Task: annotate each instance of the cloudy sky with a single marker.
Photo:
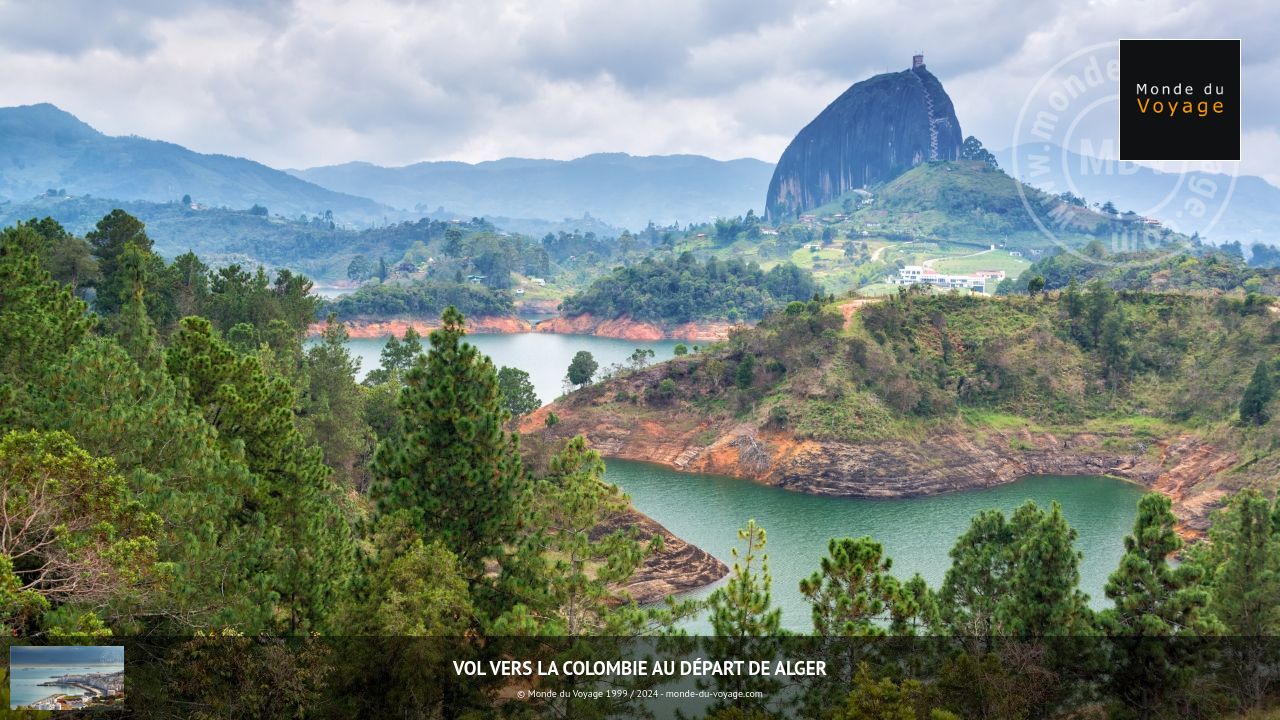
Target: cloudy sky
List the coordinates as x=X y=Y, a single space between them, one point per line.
x=298 y=83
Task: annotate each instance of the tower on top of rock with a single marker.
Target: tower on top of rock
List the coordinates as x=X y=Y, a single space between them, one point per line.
x=917 y=61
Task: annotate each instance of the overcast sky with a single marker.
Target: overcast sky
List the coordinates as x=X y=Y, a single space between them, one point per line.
x=298 y=83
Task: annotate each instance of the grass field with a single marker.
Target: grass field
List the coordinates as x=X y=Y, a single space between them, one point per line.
x=990 y=260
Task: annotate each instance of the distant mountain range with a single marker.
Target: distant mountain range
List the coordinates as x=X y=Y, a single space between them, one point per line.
x=1252 y=214
x=619 y=189
x=43 y=148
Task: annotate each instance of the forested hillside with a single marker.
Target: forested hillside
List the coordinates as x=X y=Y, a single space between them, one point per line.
x=1197 y=268
x=682 y=289
x=178 y=465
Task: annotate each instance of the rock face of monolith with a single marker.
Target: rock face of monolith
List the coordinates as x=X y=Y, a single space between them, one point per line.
x=875 y=131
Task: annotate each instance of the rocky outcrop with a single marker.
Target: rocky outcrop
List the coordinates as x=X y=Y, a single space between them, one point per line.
x=1185 y=468
x=878 y=129
x=495 y=325
x=680 y=566
x=627 y=329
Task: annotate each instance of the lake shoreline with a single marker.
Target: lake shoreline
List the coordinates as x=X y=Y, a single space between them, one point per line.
x=943 y=461
x=585 y=325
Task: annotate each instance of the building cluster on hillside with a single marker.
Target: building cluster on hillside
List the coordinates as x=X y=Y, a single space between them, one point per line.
x=98 y=685
x=981 y=281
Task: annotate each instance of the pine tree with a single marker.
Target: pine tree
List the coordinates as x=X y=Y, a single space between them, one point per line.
x=1242 y=566
x=452 y=467
x=854 y=594
x=212 y=546
x=743 y=606
x=313 y=562
x=582 y=568
x=1043 y=598
x=982 y=564
x=745 y=623
x=133 y=326
x=40 y=321
x=1153 y=602
x=1246 y=567
x=1257 y=395
x=109 y=240
x=1151 y=598
x=332 y=409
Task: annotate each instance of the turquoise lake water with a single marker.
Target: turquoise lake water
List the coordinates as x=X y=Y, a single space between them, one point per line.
x=708 y=510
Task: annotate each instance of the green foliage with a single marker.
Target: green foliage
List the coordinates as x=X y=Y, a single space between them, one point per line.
x=422 y=298
x=1242 y=566
x=294 y=496
x=682 y=289
x=209 y=548
x=582 y=368
x=518 y=395
x=972 y=149
x=331 y=407
x=453 y=469
x=854 y=594
x=39 y=320
x=1257 y=395
x=1153 y=599
x=73 y=533
x=681 y=350
x=743 y=606
x=109 y=240
x=66 y=257
x=237 y=296
x=1016 y=576
x=583 y=554
x=409 y=588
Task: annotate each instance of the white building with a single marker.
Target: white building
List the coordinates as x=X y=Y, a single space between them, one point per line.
x=981 y=281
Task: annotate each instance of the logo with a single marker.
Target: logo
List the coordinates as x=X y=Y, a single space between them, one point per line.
x=1066 y=144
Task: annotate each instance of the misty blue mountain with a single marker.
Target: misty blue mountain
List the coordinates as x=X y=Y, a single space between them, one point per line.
x=1252 y=215
x=620 y=189
x=44 y=148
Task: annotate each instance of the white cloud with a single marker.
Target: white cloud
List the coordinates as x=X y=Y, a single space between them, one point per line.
x=312 y=82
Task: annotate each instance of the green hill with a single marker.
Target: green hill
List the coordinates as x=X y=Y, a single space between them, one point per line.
x=973 y=203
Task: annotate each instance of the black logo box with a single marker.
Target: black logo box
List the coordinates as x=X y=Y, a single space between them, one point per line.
x=1185 y=67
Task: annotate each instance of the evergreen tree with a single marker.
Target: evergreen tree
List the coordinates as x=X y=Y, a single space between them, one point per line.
x=1257 y=395
x=518 y=395
x=1153 y=599
x=332 y=409
x=398 y=355
x=109 y=240
x=1242 y=566
x=452 y=468
x=854 y=594
x=1043 y=598
x=40 y=320
x=745 y=374
x=212 y=545
x=1153 y=603
x=133 y=326
x=743 y=606
x=982 y=564
x=1244 y=561
x=312 y=563
x=582 y=569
